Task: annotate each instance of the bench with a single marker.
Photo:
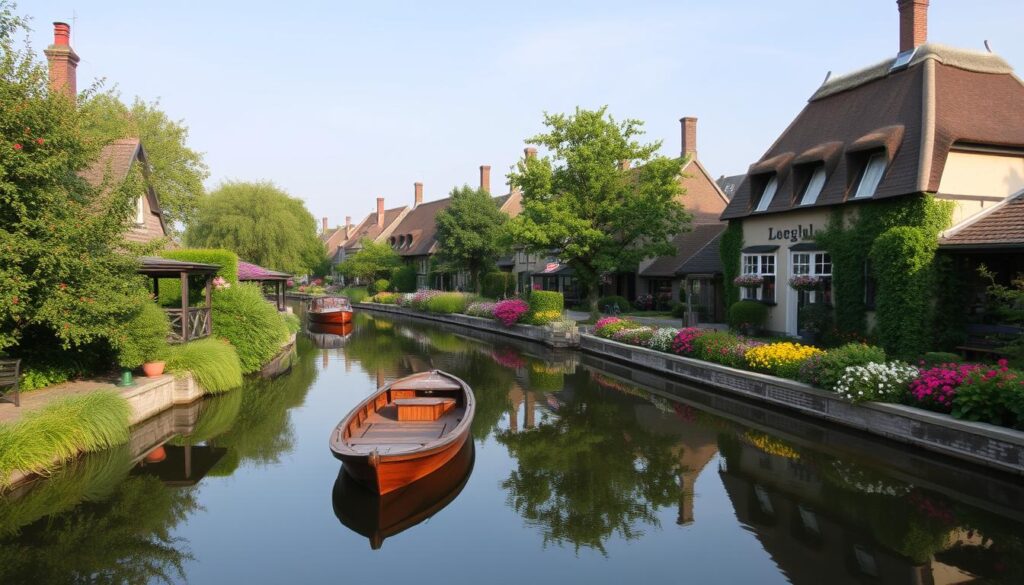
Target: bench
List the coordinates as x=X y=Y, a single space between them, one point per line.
x=983 y=339
x=424 y=408
x=10 y=373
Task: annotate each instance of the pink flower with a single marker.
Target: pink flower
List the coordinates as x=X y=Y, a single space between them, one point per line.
x=39 y=140
x=509 y=312
x=17 y=146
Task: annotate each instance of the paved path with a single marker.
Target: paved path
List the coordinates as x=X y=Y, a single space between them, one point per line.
x=652 y=321
x=36 y=399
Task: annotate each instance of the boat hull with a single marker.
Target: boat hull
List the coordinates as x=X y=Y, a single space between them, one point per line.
x=385 y=474
x=331 y=317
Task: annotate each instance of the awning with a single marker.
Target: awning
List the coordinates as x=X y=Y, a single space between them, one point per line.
x=759 y=249
x=157 y=267
x=555 y=269
x=806 y=247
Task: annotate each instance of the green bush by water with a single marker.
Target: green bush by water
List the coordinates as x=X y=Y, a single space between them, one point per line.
x=546 y=306
x=824 y=370
x=61 y=430
x=145 y=337
x=213 y=362
x=226 y=259
x=748 y=314
x=355 y=294
x=250 y=323
x=404 y=279
x=291 y=322
x=448 y=303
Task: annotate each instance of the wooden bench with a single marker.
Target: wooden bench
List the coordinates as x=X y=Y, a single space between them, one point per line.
x=985 y=339
x=424 y=408
x=10 y=373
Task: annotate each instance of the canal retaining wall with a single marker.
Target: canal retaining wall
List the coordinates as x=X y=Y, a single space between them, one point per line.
x=558 y=335
x=980 y=443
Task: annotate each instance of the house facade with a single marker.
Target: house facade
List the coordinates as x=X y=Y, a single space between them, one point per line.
x=932 y=121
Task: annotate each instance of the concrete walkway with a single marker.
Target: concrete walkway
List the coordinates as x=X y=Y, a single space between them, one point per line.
x=36 y=399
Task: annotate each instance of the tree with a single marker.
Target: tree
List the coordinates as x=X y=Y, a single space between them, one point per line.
x=64 y=271
x=582 y=203
x=259 y=222
x=373 y=261
x=178 y=171
x=470 y=232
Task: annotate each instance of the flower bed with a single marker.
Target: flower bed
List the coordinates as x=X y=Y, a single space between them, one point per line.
x=544 y=308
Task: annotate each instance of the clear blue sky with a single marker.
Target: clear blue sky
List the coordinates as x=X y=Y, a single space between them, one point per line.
x=342 y=102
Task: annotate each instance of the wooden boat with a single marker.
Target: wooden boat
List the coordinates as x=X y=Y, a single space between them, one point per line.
x=329 y=336
x=406 y=430
x=330 y=310
x=378 y=516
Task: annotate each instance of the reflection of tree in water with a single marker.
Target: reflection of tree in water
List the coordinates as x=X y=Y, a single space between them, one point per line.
x=491 y=384
x=591 y=471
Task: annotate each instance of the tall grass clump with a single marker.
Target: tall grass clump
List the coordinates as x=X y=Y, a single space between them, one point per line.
x=242 y=316
x=448 y=303
x=61 y=430
x=213 y=362
x=291 y=322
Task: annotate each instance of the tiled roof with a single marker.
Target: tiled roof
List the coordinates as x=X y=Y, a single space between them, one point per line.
x=696 y=251
x=1001 y=226
x=368 y=228
x=728 y=185
x=249 y=271
x=914 y=115
x=420 y=223
x=115 y=158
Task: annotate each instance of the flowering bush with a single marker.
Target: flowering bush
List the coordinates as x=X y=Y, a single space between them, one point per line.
x=385 y=298
x=805 y=282
x=722 y=347
x=606 y=321
x=780 y=359
x=510 y=311
x=885 y=382
x=609 y=329
x=644 y=302
x=935 y=387
x=748 y=280
x=682 y=344
x=994 y=395
x=481 y=309
x=662 y=338
x=824 y=370
x=405 y=300
x=421 y=297
x=545 y=317
x=634 y=335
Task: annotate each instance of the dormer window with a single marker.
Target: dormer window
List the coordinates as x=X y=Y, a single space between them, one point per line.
x=871 y=177
x=408 y=240
x=768 y=194
x=814 y=186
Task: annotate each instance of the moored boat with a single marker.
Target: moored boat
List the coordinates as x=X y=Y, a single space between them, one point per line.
x=405 y=431
x=330 y=310
x=328 y=335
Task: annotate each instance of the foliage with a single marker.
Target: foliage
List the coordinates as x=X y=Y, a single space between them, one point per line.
x=902 y=257
x=545 y=317
x=636 y=335
x=471 y=232
x=882 y=382
x=213 y=362
x=374 y=260
x=448 y=303
x=379 y=285
x=729 y=250
x=253 y=326
x=935 y=388
x=385 y=298
x=226 y=259
x=498 y=285
x=994 y=395
x=510 y=311
x=682 y=343
x=291 y=322
x=145 y=336
x=354 y=294
x=1006 y=304
x=824 y=370
x=816 y=318
x=481 y=309
x=781 y=359
x=47 y=375
x=663 y=339
x=545 y=307
x=609 y=326
x=178 y=171
x=403 y=278
x=62 y=261
x=605 y=304
x=421 y=297
x=748 y=314
x=951 y=288
x=62 y=430
x=723 y=347
x=259 y=222
x=937 y=358
x=581 y=201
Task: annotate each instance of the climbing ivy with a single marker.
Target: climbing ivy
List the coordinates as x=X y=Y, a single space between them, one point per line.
x=729 y=251
x=951 y=284
x=903 y=260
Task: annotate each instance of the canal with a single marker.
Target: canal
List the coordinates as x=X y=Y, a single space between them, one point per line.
x=581 y=471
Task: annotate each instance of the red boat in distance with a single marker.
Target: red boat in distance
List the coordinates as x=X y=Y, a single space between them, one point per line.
x=330 y=310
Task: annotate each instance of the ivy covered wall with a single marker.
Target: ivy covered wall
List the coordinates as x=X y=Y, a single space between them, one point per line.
x=729 y=248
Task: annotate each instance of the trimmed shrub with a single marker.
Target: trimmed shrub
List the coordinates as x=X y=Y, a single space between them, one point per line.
x=404 y=279
x=780 y=359
x=145 y=337
x=824 y=370
x=883 y=382
x=498 y=285
x=447 y=303
x=226 y=259
x=250 y=323
x=938 y=358
x=604 y=303
x=748 y=314
x=61 y=430
x=380 y=285
x=545 y=317
x=510 y=311
x=213 y=362
x=546 y=306
x=902 y=258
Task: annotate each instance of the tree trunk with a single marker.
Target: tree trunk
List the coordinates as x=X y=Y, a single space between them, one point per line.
x=593 y=294
x=476 y=282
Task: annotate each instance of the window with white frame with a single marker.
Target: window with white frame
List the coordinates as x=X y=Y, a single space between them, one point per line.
x=768 y=194
x=140 y=211
x=762 y=265
x=814 y=186
x=871 y=177
x=816 y=264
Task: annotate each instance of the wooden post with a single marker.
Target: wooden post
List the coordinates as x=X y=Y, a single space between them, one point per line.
x=156 y=288
x=184 y=306
x=209 y=304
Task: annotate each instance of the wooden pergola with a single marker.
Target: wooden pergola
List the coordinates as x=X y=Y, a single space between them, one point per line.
x=249 y=272
x=187 y=322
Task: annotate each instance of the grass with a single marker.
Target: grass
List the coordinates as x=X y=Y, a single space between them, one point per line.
x=256 y=329
x=355 y=294
x=61 y=431
x=213 y=362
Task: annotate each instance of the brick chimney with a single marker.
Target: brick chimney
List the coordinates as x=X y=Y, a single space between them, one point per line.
x=624 y=164
x=913 y=23
x=325 y=225
x=348 y=226
x=417 y=196
x=485 y=178
x=380 y=212
x=530 y=152
x=689 y=131
x=63 y=61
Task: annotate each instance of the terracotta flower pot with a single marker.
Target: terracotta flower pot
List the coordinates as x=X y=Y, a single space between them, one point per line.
x=153 y=369
x=156 y=455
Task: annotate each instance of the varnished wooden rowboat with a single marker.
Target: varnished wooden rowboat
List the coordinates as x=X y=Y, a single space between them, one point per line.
x=327 y=336
x=330 y=310
x=406 y=430
x=377 y=516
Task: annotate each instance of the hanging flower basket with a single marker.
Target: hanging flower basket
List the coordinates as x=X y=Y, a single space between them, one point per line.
x=807 y=283
x=748 y=281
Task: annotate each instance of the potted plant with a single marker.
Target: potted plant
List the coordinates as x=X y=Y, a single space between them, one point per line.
x=751 y=281
x=806 y=282
x=144 y=340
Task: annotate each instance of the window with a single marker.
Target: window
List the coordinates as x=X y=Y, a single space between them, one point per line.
x=761 y=265
x=768 y=194
x=424 y=266
x=814 y=186
x=817 y=264
x=140 y=211
x=872 y=175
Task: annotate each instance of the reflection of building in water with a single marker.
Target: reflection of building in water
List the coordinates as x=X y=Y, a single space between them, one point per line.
x=794 y=514
x=520 y=398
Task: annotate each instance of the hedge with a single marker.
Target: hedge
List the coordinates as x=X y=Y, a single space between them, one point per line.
x=256 y=329
x=498 y=285
x=545 y=306
x=404 y=279
x=226 y=259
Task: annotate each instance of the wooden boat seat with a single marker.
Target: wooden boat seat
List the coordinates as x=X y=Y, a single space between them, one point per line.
x=426 y=408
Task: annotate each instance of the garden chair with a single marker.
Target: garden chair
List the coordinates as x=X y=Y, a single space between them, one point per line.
x=10 y=372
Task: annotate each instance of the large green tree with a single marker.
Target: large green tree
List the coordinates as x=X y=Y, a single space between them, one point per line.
x=374 y=260
x=471 y=232
x=64 y=271
x=259 y=222
x=178 y=171
x=584 y=204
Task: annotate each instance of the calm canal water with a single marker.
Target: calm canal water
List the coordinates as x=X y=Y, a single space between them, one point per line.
x=577 y=475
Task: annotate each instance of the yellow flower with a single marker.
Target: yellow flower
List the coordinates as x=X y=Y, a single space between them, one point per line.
x=772 y=356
